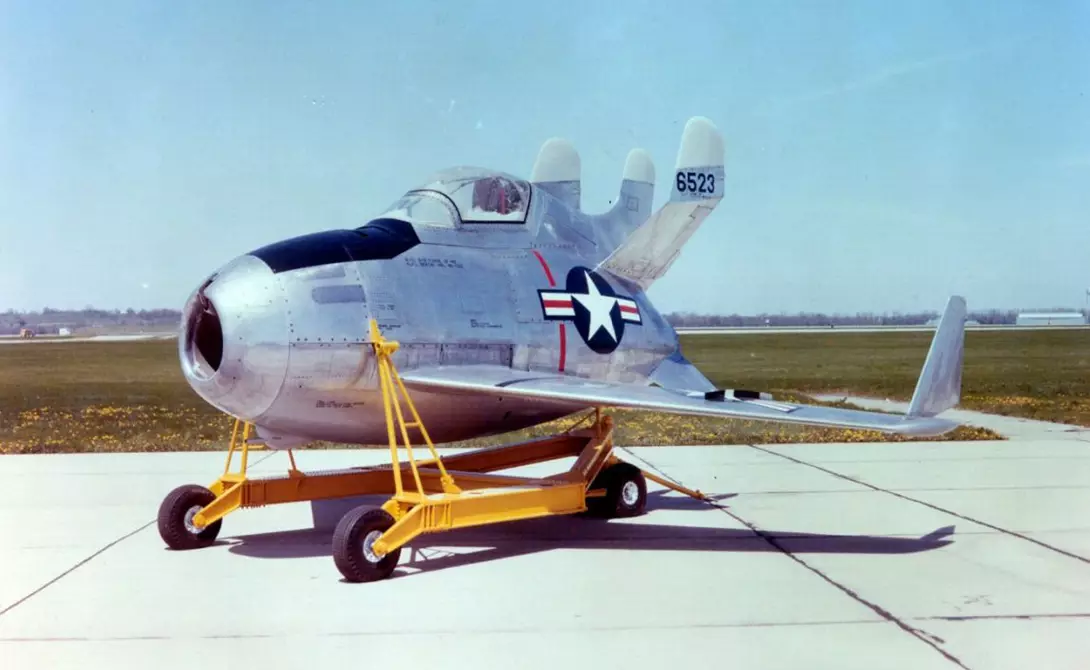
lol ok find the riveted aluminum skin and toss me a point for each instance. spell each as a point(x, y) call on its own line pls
point(296, 354)
point(479, 275)
point(245, 303)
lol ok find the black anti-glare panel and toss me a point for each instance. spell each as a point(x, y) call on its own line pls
point(379, 239)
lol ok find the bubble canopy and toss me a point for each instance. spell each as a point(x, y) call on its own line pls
point(464, 195)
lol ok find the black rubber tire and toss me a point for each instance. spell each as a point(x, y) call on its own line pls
point(172, 514)
point(348, 545)
point(613, 479)
point(598, 507)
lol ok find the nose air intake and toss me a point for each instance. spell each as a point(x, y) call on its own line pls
point(207, 333)
point(234, 340)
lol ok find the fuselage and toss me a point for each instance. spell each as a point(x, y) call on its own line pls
point(280, 336)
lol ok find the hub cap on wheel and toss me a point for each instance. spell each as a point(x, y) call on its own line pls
point(188, 521)
point(368, 546)
point(630, 493)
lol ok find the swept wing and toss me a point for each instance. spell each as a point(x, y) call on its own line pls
point(937, 390)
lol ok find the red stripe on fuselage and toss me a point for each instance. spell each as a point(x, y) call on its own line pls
point(563, 347)
point(555, 303)
point(545, 266)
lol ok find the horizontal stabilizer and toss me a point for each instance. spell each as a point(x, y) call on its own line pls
point(697, 187)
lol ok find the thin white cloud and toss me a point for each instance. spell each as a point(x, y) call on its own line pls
point(1082, 161)
point(892, 73)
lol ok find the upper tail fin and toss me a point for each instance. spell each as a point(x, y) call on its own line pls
point(558, 171)
point(633, 204)
point(697, 188)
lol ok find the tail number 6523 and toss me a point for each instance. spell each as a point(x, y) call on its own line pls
point(695, 182)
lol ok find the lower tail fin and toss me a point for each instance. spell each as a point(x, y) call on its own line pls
point(650, 250)
point(939, 386)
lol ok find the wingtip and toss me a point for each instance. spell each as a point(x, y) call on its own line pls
point(939, 386)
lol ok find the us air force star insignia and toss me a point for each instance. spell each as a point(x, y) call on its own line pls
point(598, 312)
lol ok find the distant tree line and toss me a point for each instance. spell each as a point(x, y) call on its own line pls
point(987, 317)
point(51, 320)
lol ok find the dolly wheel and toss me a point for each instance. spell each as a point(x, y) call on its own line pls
point(352, 541)
point(176, 518)
point(626, 492)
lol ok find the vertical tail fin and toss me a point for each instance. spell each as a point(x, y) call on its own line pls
point(650, 250)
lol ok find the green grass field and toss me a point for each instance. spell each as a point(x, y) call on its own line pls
point(1036, 374)
point(130, 396)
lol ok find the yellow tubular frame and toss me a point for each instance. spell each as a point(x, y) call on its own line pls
point(440, 499)
point(509, 499)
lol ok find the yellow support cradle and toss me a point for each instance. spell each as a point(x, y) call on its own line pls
point(367, 542)
point(470, 492)
point(391, 405)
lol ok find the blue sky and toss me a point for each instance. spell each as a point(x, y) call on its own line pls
point(880, 156)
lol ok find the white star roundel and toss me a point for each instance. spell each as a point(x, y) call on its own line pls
point(591, 303)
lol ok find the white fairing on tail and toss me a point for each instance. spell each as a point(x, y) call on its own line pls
point(558, 171)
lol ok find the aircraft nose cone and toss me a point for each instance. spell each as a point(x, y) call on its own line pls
point(234, 340)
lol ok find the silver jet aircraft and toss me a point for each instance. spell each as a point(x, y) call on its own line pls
point(511, 305)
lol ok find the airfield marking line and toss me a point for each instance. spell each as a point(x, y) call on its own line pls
point(1061, 487)
point(71, 569)
point(937, 508)
point(923, 636)
point(1004, 617)
point(97, 553)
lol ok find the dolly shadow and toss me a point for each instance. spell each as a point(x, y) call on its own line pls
point(483, 544)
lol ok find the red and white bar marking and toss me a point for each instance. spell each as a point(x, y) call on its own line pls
point(630, 312)
point(558, 304)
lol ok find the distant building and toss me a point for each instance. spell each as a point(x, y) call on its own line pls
point(1050, 319)
point(968, 322)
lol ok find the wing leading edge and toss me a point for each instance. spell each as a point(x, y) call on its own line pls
point(501, 381)
point(937, 390)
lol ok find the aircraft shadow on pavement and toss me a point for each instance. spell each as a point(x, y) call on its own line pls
point(489, 543)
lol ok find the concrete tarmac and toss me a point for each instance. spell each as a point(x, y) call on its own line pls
point(907, 555)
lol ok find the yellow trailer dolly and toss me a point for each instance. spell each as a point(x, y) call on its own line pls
point(458, 491)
